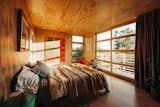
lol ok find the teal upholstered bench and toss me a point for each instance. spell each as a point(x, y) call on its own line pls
point(26, 99)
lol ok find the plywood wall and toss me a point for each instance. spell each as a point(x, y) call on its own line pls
point(89, 47)
point(10, 60)
point(41, 34)
point(68, 49)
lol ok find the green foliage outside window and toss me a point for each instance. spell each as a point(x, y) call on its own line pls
point(123, 43)
point(77, 55)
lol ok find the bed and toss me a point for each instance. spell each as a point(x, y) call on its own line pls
point(63, 81)
point(71, 81)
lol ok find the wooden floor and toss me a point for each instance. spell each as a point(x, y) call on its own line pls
point(122, 94)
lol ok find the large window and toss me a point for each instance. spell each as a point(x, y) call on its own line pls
point(77, 48)
point(51, 51)
point(103, 48)
point(115, 50)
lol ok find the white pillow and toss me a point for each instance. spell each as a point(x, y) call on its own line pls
point(27, 80)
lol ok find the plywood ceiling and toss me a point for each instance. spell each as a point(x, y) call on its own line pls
point(85, 16)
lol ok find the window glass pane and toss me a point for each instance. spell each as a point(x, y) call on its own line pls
point(37, 46)
point(105, 45)
point(77, 46)
point(124, 58)
point(74, 60)
point(77, 54)
point(123, 70)
point(77, 39)
point(104, 35)
point(103, 56)
point(124, 30)
point(38, 56)
point(104, 65)
point(124, 43)
point(52, 44)
point(53, 53)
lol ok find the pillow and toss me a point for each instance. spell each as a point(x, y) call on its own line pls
point(83, 61)
point(41, 69)
point(27, 80)
point(30, 64)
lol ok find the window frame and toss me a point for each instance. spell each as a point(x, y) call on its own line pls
point(111, 50)
point(82, 43)
point(98, 41)
point(45, 49)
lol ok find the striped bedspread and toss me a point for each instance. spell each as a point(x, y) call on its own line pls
point(75, 80)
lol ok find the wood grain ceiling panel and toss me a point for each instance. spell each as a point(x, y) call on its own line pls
point(85, 16)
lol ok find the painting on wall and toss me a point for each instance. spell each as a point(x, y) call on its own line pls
point(23, 32)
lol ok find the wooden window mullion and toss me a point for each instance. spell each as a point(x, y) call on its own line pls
point(111, 50)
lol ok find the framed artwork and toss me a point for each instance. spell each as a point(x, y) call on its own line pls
point(23, 32)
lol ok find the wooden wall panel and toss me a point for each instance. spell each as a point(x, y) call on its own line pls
point(89, 47)
point(68, 49)
point(10, 60)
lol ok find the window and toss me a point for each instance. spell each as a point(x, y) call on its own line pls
point(38, 50)
point(104, 65)
point(104, 36)
point(77, 48)
point(126, 43)
point(124, 30)
point(103, 46)
point(115, 50)
point(51, 51)
point(103, 55)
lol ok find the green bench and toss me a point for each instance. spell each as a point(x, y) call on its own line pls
point(26, 99)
